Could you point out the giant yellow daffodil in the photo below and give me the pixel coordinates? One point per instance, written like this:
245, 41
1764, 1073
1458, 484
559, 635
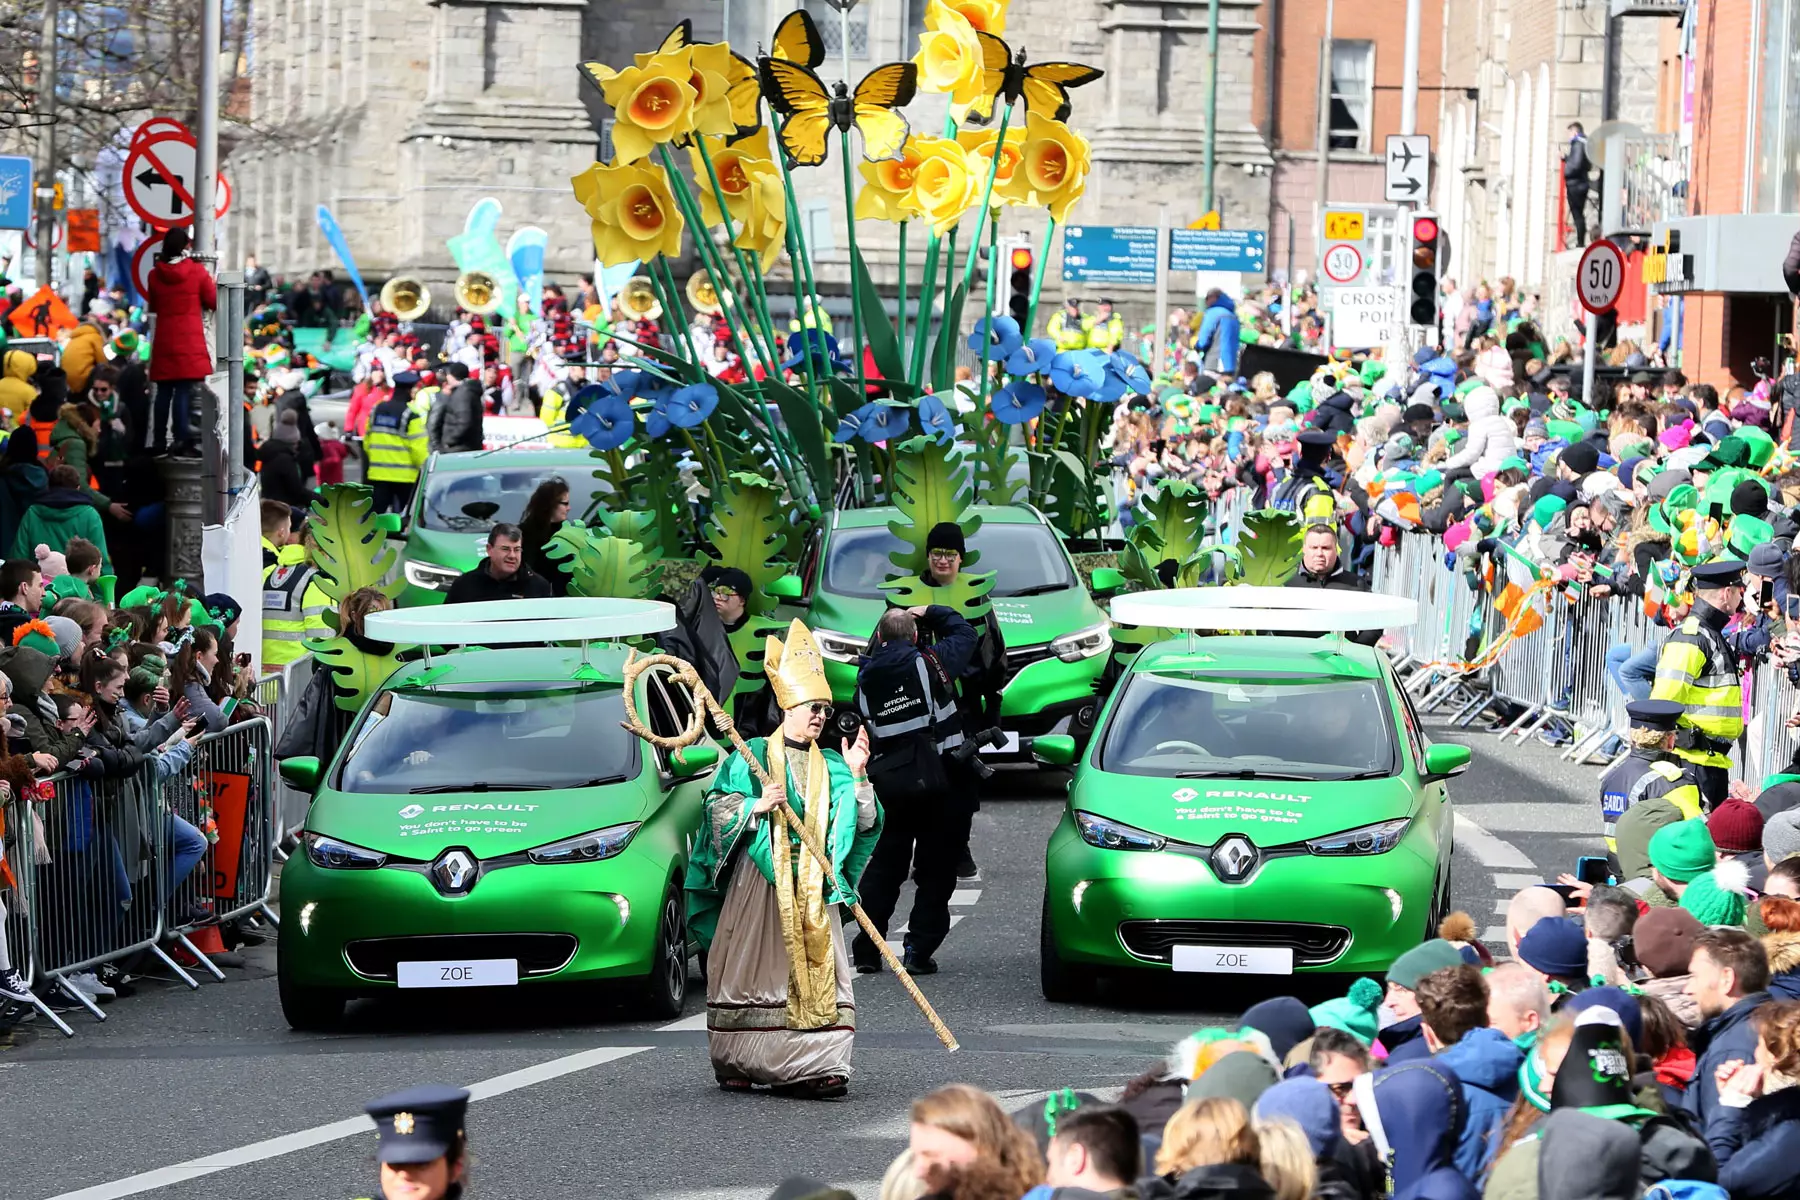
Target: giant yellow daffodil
710, 69
946, 182
633, 211
949, 57
887, 191
1052, 170
753, 193
987, 16
653, 104
980, 142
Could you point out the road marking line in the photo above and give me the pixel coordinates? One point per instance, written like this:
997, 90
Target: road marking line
1494, 933
685, 1025
965, 895
1490, 851
336, 1131
1516, 883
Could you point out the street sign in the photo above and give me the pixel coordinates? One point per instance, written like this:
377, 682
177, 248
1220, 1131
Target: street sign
1238, 250
1600, 277
1343, 263
1109, 254
84, 230
56, 237
42, 314
1344, 226
15, 192
142, 259
1364, 317
1408, 167
159, 178
162, 125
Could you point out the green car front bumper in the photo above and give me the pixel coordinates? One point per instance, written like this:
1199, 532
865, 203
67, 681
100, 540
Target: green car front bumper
1130, 908
344, 930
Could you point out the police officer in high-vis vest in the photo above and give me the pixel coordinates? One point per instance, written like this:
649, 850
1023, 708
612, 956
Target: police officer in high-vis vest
1067, 327
293, 607
1651, 771
1105, 329
395, 446
1698, 670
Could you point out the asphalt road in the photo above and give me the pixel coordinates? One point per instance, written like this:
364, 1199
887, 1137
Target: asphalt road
208, 1094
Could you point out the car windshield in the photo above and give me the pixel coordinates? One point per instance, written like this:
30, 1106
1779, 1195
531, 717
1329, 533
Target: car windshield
1182, 726
474, 501
1027, 558
490, 737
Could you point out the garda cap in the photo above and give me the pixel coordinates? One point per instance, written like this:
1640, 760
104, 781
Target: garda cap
1653, 714
418, 1125
1726, 572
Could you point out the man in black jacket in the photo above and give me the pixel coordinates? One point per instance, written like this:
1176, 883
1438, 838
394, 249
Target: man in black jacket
907, 697
502, 575
455, 419
1575, 168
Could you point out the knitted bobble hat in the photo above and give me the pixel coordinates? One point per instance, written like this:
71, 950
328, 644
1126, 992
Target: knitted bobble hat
1355, 1012
1718, 897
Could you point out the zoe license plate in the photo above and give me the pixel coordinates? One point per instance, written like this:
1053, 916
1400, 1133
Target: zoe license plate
1234, 960
467, 972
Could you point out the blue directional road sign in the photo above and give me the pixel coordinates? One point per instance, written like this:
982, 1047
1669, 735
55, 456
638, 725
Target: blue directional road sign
1109, 254
1218, 250
15, 192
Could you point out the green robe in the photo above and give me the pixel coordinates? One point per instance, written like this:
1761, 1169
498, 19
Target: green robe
727, 826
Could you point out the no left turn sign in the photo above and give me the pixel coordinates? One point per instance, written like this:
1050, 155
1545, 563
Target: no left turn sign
1600, 277
160, 175
1343, 263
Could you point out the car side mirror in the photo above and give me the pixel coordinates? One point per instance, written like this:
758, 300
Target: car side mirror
690, 761
1445, 760
388, 522
785, 588
301, 772
1106, 581
1053, 749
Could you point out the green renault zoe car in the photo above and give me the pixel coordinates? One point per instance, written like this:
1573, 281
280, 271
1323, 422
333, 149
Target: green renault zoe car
486, 823
1057, 637
462, 496
1248, 805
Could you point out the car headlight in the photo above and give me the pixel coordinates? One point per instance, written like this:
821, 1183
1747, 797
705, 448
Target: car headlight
1367, 839
334, 855
840, 647
433, 579
588, 847
1111, 835
1083, 643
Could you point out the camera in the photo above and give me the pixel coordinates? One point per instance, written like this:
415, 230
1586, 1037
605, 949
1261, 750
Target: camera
969, 753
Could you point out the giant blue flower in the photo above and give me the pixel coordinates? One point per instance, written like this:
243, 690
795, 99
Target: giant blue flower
605, 418
1111, 390
935, 419
821, 348
1129, 369
996, 338
875, 422
1031, 357
1018, 402
1078, 372
674, 408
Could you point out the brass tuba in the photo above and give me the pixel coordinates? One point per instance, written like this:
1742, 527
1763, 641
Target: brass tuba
478, 292
406, 298
703, 295
637, 299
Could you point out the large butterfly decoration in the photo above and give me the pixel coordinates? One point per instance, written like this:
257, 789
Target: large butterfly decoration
797, 40
678, 38
1043, 86
796, 92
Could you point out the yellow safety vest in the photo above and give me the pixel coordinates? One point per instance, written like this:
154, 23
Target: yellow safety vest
1106, 335
293, 607
1685, 798
1066, 334
395, 445
1698, 671
554, 413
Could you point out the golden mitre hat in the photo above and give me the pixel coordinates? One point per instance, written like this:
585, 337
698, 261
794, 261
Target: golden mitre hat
796, 670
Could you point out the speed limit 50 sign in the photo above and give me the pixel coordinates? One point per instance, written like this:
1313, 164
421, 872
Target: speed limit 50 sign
1600, 277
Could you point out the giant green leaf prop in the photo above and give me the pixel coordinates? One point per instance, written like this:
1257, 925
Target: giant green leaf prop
748, 531
994, 463
357, 672
930, 486
599, 564
1268, 548
353, 547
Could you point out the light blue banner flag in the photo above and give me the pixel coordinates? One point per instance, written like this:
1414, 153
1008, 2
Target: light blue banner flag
525, 250
329, 227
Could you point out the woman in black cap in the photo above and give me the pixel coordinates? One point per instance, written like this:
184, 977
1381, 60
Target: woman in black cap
423, 1148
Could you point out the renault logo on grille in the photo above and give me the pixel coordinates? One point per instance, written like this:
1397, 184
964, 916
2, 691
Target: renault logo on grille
454, 872
1234, 858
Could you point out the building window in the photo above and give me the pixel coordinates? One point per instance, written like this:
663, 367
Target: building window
915, 21
605, 153
750, 25
1352, 94
831, 30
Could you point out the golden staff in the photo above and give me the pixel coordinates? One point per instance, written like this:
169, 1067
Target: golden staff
706, 703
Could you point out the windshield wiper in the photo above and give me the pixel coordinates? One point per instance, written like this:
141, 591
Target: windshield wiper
1036, 589
480, 785
1246, 773
1381, 774
603, 781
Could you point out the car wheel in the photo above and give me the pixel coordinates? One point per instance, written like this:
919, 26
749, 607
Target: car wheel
662, 993
1060, 982
309, 1009
1440, 906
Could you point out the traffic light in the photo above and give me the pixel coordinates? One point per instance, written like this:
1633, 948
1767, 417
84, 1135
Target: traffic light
1018, 301
1425, 236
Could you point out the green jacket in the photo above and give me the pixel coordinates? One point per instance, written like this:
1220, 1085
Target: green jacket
58, 515
726, 819
68, 444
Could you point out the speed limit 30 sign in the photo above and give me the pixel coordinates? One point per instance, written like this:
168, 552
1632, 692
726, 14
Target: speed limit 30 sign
1600, 277
1343, 263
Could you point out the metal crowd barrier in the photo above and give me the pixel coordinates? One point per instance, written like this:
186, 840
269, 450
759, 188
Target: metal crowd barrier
278, 694
94, 863
1557, 670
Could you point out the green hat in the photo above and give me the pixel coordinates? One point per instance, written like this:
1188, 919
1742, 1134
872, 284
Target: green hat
1372, 370
1569, 431
1720, 484
1207, 412
1717, 897
1683, 851
1452, 436
142, 596
1762, 446
1681, 498
1732, 451
1428, 481
1585, 417
70, 587
1470, 384
1746, 533
37, 635
1513, 462
1509, 407
1421, 961
1545, 510
1301, 391
1355, 1012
